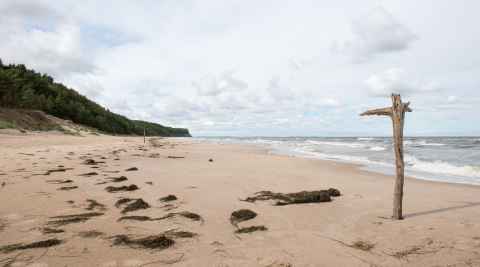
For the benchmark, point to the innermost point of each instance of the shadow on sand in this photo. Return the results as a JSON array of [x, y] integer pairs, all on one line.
[[467, 205]]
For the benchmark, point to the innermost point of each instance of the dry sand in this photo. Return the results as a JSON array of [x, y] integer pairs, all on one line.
[[441, 228]]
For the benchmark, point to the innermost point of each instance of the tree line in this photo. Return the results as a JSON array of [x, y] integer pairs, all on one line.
[[26, 89]]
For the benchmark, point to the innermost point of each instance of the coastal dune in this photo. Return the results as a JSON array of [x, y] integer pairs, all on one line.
[[209, 181]]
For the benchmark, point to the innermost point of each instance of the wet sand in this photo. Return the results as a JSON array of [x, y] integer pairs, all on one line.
[[441, 226]]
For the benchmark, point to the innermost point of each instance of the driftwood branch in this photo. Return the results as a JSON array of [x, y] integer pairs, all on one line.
[[397, 113], [378, 111], [386, 111]]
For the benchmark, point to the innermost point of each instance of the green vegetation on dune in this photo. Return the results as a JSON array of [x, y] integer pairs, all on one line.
[[7, 125], [26, 89]]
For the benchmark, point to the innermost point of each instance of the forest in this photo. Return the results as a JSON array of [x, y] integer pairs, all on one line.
[[23, 88]]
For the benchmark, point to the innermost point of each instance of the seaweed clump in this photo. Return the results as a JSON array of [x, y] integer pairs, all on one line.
[[168, 198], [88, 174], [136, 205], [48, 172], [47, 230], [93, 204], [73, 218], [186, 214], [135, 218], [92, 162], [59, 181], [242, 215], [113, 189], [67, 188], [251, 229], [38, 244], [117, 179], [90, 234], [295, 198], [150, 242], [122, 201]]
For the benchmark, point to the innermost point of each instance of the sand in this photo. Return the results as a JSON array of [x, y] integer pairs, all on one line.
[[441, 225]]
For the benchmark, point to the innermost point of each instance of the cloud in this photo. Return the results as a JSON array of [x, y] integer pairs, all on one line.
[[396, 80], [377, 33], [171, 61], [36, 35], [215, 85]]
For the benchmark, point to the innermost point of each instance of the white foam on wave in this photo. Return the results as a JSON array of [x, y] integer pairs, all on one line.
[[441, 167], [333, 143], [301, 151], [377, 148], [421, 143], [365, 138]]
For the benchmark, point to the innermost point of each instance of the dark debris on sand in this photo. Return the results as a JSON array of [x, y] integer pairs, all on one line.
[[90, 234], [362, 245], [67, 188], [251, 229], [150, 242], [38, 244], [92, 162], [59, 181], [295, 198], [117, 179], [113, 189], [131, 169], [93, 204], [168, 198], [137, 204], [88, 174], [73, 218], [186, 214], [57, 170], [122, 201], [47, 230], [135, 218], [241, 215], [180, 234]]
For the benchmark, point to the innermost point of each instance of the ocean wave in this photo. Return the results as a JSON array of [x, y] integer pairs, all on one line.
[[333, 143], [420, 143], [377, 148], [336, 157], [441, 167], [365, 138]]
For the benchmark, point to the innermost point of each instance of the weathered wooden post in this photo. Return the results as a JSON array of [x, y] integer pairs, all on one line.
[[144, 134], [397, 114]]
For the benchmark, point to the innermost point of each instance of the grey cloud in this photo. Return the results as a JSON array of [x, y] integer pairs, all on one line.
[[20, 9], [377, 33]]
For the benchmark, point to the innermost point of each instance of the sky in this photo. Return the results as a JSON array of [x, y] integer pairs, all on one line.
[[259, 68]]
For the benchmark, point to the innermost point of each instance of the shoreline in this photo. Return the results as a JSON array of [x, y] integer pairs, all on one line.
[[440, 226], [360, 168], [373, 167]]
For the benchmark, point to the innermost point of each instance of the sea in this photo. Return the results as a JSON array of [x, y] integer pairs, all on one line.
[[445, 159]]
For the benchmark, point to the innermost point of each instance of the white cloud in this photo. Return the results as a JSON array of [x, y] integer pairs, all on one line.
[[452, 99], [215, 85], [378, 32], [166, 61], [37, 36], [396, 80]]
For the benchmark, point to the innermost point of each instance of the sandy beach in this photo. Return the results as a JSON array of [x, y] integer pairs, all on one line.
[[441, 225]]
